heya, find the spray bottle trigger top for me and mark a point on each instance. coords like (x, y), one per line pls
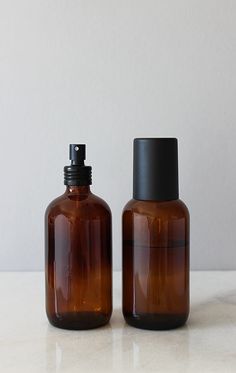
(77, 173)
(77, 154)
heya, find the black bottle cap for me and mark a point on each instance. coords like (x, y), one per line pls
(155, 169)
(77, 173)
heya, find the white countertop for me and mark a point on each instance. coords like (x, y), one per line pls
(206, 344)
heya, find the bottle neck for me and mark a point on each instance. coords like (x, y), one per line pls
(78, 189)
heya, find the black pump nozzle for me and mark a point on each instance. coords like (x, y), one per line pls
(77, 154)
(77, 173)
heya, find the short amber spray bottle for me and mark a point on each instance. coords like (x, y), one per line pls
(155, 240)
(78, 252)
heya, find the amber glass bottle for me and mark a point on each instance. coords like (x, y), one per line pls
(155, 240)
(78, 252)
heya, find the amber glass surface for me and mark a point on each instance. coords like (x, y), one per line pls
(78, 260)
(156, 264)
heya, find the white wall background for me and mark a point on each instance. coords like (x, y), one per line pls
(104, 72)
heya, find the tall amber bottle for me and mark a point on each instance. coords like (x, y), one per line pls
(155, 240)
(78, 252)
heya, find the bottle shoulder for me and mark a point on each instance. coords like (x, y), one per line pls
(99, 202)
(83, 205)
(54, 203)
(174, 208)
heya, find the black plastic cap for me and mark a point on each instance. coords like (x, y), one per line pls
(77, 173)
(155, 169)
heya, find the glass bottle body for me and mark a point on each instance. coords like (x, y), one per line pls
(78, 260)
(155, 264)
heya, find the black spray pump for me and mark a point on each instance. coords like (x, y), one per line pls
(77, 173)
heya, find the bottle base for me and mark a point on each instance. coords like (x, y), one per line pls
(79, 320)
(156, 321)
